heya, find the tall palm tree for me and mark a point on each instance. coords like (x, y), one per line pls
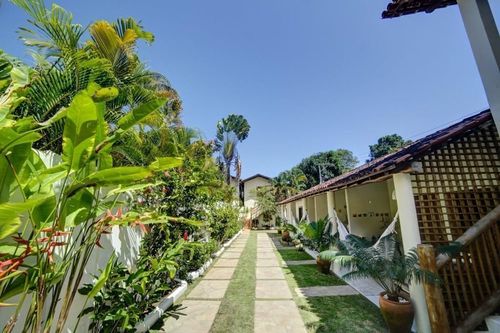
(66, 64)
(230, 131)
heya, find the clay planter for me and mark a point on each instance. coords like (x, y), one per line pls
(285, 236)
(323, 265)
(398, 316)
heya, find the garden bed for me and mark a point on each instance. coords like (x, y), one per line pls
(193, 275)
(162, 306)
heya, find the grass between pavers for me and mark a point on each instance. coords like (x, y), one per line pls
(332, 313)
(351, 314)
(309, 276)
(294, 255)
(236, 312)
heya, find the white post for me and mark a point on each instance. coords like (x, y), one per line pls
(485, 43)
(305, 212)
(331, 210)
(411, 238)
(348, 210)
(315, 208)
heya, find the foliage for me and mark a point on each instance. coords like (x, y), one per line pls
(387, 144)
(66, 64)
(195, 256)
(224, 222)
(230, 131)
(127, 296)
(332, 163)
(383, 263)
(266, 203)
(316, 234)
(289, 183)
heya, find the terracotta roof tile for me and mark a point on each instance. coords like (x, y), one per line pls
(404, 7)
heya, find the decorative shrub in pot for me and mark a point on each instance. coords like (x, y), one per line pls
(316, 235)
(384, 263)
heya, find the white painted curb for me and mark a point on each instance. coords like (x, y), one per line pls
(164, 304)
(196, 274)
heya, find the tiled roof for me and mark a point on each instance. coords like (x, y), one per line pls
(404, 7)
(398, 160)
(256, 176)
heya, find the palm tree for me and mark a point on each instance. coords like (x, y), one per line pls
(65, 64)
(230, 131)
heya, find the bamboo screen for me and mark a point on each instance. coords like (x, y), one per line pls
(459, 185)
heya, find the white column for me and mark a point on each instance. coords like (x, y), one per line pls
(348, 210)
(331, 210)
(304, 208)
(315, 208)
(411, 238)
(485, 43)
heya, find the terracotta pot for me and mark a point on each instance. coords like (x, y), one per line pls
(323, 265)
(398, 316)
(285, 236)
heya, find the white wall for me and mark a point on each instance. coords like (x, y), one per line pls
(123, 241)
(369, 208)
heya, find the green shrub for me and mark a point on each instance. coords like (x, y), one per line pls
(224, 222)
(195, 256)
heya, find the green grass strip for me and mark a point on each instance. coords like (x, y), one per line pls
(294, 255)
(309, 276)
(236, 312)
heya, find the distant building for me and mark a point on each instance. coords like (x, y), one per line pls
(248, 194)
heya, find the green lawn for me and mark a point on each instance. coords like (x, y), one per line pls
(236, 312)
(333, 313)
(294, 255)
(340, 314)
(309, 276)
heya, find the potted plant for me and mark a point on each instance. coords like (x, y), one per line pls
(388, 267)
(287, 228)
(317, 236)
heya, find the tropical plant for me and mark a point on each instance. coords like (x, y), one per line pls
(289, 183)
(316, 234)
(66, 64)
(127, 296)
(266, 203)
(65, 207)
(383, 262)
(230, 131)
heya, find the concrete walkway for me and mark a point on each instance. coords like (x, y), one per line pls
(275, 310)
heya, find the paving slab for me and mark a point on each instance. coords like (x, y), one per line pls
(265, 250)
(326, 291)
(269, 273)
(232, 249)
(203, 311)
(226, 263)
(209, 289)
(268, 263)
(277, 317)
(230, 255)
(272, 289)
(266, 255)
(300, 262)
(220, 273)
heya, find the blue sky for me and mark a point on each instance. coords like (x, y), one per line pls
(308, 75)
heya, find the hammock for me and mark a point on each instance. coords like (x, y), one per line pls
(343, 233)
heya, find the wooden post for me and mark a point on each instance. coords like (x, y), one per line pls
(433, 295)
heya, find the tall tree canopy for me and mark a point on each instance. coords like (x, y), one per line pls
(387, 144)
(230, 130)
(307, 173)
